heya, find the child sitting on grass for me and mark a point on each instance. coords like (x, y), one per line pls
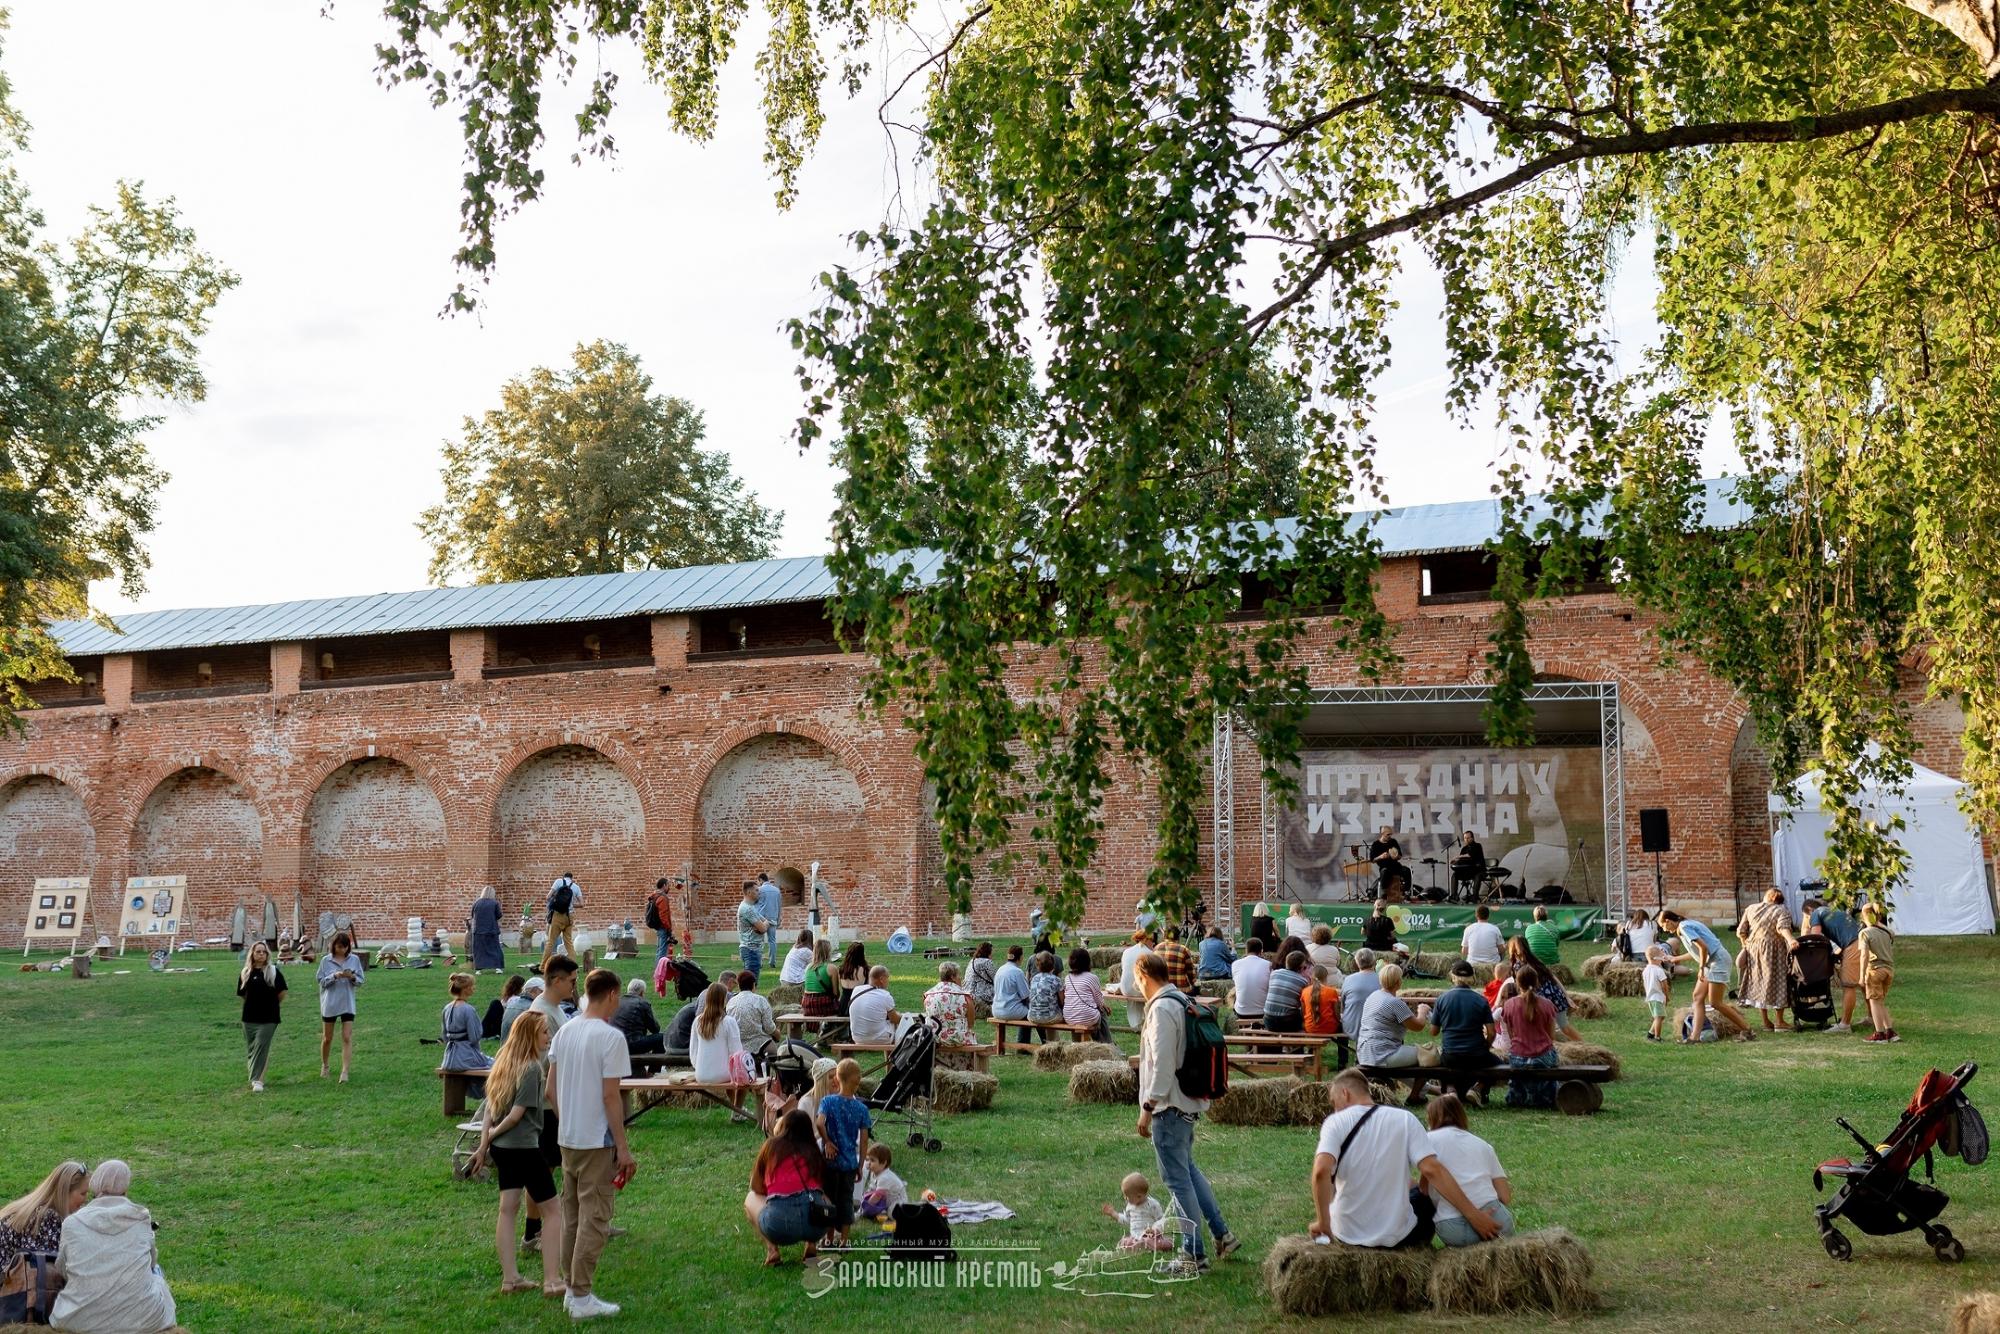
(843, 1125)
(1141, 1215)
(881, 1190)
(1658, 989)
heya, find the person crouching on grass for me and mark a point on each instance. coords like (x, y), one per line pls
(843, 1123)
(586, 1063)
(511, 1138)
(1711, 979)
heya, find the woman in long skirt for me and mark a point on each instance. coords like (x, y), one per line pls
(483, 939)
(1768, 936)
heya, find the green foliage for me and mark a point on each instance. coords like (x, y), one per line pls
(588, 471)
(95, 334)
(1817, 188)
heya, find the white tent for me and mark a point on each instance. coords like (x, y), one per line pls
(1944, 893)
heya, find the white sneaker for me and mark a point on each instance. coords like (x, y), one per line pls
(588, 1307)
(256, 1086)
(1840, 1028)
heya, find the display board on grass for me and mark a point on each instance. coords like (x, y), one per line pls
(58, 910)
(1529, 807)
(154, 909)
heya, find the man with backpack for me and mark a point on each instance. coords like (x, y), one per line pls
(1182, 1067)
(660, 916)
(565, 896)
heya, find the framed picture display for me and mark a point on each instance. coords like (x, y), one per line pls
(50, 925)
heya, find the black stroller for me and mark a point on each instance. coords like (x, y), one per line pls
(1811, 981)
(1878, 1193)
(907, 1091)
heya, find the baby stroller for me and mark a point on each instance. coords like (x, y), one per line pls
(1811, 981)
(790, 1063)
(908, 1085)
(1878, 1194)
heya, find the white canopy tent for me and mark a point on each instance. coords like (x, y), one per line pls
(1945, 891)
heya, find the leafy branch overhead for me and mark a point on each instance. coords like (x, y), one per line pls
(589, 471)
(1143, 200)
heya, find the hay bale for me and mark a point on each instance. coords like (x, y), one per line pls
(1625, 979)
(786, 997)
(1106, 956)
(1065, 1055)
(1547, 1271)
(963, 1091)
(1255, 1102)
(1215, 988)
(1587, 1053)
(1310, 1103)
(1431, 963)
(1415, 996)
(1977, 1313)
(1306, 1278)
(1386, 1095)
(1588, 1005)
(1112, 1082)
(981, 1009)
(1724, 1028)
(1596, 964)
(1559, 971)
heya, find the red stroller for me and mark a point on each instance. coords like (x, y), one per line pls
(1878, 1193)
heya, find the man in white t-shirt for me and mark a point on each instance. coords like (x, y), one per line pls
(1128, 976)
(871, 1011)
(1252, 976)
(1361, 1174)
(1482, 942)
(586, 1062)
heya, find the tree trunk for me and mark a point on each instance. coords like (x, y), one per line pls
(1974, 22)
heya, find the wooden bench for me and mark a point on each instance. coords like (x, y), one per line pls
(796, 1025)
(981, 1055)
(1258, 1065)
(1579, 1088)
(457, 1083)
(1312, 1045)
(653, 1062)
(1077, 1032)
(637, 1105)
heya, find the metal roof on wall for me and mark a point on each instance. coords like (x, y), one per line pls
(1410, 530)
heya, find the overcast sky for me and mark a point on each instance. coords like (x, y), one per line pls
(332, 379)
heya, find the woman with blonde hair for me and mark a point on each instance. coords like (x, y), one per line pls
(111, 1271)
(1765, 959)
(460, 1027)
(511, 1138)
(262, 987)
(34, 1222)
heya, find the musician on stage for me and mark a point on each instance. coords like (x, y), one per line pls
(1387, 854)
(1468, 865)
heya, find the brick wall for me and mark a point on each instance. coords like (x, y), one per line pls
(228, 664)
(407, 799)
(379, 655)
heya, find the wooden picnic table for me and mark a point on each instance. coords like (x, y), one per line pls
(1077, 1032)
(636, 1106)
(1257, 1064)
(1311, 1044)
(795, 1025)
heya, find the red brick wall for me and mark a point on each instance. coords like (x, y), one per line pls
(44, 832)
(376, 849)
(623, 775)
(229, 665)
(201, 824)
(631, 637)
(569, 810)
(379, 655)
(778, 800)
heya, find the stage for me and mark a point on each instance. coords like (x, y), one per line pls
(1439, 923)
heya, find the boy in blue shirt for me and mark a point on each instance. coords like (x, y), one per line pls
(843, 1124)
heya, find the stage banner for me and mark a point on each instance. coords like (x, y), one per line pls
(1441, 923)
(1529, 808)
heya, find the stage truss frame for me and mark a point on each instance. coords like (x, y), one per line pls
(1611, 756)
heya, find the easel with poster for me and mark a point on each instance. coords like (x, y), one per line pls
(57, 910)
(153, 909)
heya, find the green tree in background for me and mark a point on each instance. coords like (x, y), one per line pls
(95, 333)
(588, 471)
(1815, 187)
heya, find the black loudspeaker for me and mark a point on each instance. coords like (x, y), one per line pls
(1653, 835)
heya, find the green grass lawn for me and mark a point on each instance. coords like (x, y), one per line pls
(317, 1206)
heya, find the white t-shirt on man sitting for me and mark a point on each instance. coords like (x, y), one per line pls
(1472, 1164)
(868, 1015)
(1482, 943)
(1252, 975)
(1371, 1188)
(586, 1053)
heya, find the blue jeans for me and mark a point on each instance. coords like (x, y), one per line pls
(1458, 1232)
(752, 957)
(662, 933)
(784, 1220)
(1532, 1092)
(1173, 1145)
